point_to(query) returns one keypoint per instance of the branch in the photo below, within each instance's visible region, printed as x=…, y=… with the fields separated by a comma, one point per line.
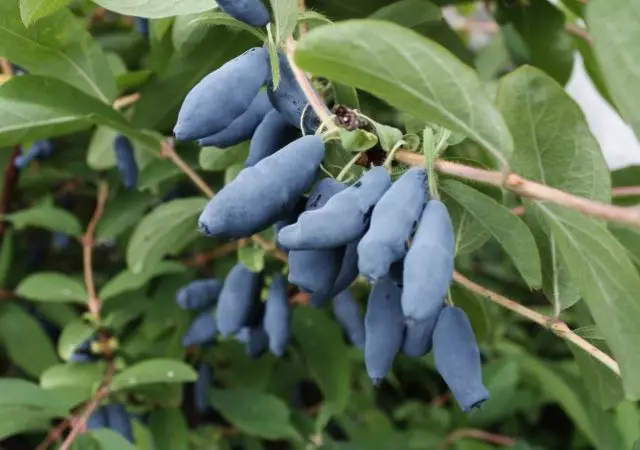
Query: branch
x=202, y=258
x=127, y=100
x=527, y=188
x=6, y=66
x=87, y=251
x=10, y=180
x=479, y=435
x=555, y=325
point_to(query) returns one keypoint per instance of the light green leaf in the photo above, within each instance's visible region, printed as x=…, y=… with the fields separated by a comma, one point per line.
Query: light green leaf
x=76, y=381
x=169, y=429
x=613, y=26
x=100, y=155
x=57, y=46
x=285, y=15
x=25, y=406
x=607, y=280
x=603, y=386
x=129, y=281
x=252, y=256
x=48, y=217
x=74, y=334
x=224, y=19
x=111, y=440
x=357, y=140
x=409, y=13
x=470, y=235
x=152, y=371
x=409, y=72
x=508, y=229
x=26, y=343
x=326, y=357
x=630, y=239
x=121, y=213
x=52, y=287
x=32, y=10
x=345, y=95
x=159, y=231
x=156, y=9
x=216, y=159
x=254, y=412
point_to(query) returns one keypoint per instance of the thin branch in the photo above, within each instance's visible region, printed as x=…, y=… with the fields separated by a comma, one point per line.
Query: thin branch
x=581, y=33
x=10, y=180
x=530, y=189
x=6, y=66
x=127, y=100
x=626, y=191
x=303, y=27
x=479, y=435
x=556, y=326
x=87, y=250
x=203, y=258
x=54, y=435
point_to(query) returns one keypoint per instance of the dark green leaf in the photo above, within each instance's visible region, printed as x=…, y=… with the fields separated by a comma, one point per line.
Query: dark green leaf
x=52, y=287
x=169, y=429
x=121, y=213
x=6, y=255
x=501, y=379
x=152, y=371
x=473, y=306
x=603, y=386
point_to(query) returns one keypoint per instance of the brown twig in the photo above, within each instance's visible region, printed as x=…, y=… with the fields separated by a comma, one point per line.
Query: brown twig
x=6, y=66
x=93, y=302
x=303, y=27
x=558, y=327
x=479, y=435
x=202, y=258
x=10, y=180
x=127, y=100
x=578, y=32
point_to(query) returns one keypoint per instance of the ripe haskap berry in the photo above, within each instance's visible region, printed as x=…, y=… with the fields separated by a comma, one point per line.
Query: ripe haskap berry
x=392, y=222
x=223, y=95
x=273, y=133
x=201, y=388
x=418, y=338
x=457, y=358
x=97, y=419
x=201, y=331
x=348, y=268
x=243, y=127
x=38, y=150
x=316, y=271
x=428, y=266
x=82, y=353
x=343, y=219
x=384, y=329
x=199, y=294
x=277, y=316
x=258, y=342
x=240, y=291
x=142, y=26
x=347, y=312
x=126, y=161
x=290, y=101
x=264, y=193
x=251, y=12
x=119, y=421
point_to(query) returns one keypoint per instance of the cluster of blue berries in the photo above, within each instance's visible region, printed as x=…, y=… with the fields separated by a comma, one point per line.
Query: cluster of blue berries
x=126, y=161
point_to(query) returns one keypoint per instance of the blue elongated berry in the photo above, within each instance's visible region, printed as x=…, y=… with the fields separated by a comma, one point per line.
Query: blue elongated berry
x=392, y=222
x=199, y=294
x=384, y=329
x=251, y=12
x=316, y=271
x=97, y=419
x=347, y=312
x=243, y=335
x=428, y=266
x=243, y=127
x=223, y=95
x=201, y=331
x=290, y=101
x=348, y=269
x=273, y=133
x=38, y=150
x=82, y=353
x=240, y=291
x=277, y=316
x=418, y=338
x=264, y=193
x=343, y=219
x=457, y=358
x=126, y=161
x=119, y=421
x=61, y=240
x=258, y=342
x=201, y=388
x=142, y=26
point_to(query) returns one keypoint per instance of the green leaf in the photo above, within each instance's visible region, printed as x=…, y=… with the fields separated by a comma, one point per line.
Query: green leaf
x=48, y=217
x=129, y=281
x=285, y=14
x=224, y=19
x=25, y=406
x=603, y=386
x=630, y=239
x=38, y=91
x=217, y=160
x=253, y=412
x=473, y=306
x=547, y=45
x=326, y=357
x=76, y=381
x=159, y=231
x=24, y=340
x=101, y=155
x=52, y=287
x=345, y=95
x=358, y=140
x=57, y=46
x=470, y=234
x=122, y=213
x=607, y=280
x=409, y=13
x=501, y=380
x=6, y=255
x=111, y=440
x=252, y=256
x=33, y=10
x=156, y=9
x=152, y=371
x=409, y=72
x=508, y=229
x=613, y=26
x=73, y=334
x=169, y=429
